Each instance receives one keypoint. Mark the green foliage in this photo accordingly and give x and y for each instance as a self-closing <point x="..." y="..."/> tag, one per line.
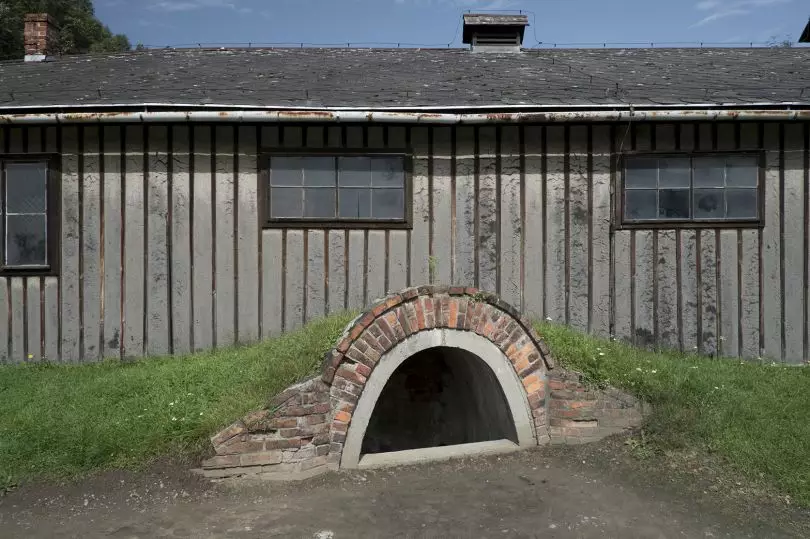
<point x="79" y="29"/>
<point x="61" y="421"/>
<point x="752" y="414"/>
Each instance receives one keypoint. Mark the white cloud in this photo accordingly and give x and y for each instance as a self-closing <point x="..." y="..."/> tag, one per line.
<point x="190" y="5"/>
<point x="722" y="9"/>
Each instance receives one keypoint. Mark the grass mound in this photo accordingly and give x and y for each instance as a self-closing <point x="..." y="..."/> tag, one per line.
<point x="61" y="421"/>
<point x="753" y="415"/>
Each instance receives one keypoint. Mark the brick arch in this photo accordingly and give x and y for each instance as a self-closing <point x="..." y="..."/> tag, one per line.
<point x="369" y="337"/>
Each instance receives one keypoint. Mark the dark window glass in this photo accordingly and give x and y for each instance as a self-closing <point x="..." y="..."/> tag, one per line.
<point x="25" y="214"/>
<point x="697" y="188"/>
<point x="337" y="188"/>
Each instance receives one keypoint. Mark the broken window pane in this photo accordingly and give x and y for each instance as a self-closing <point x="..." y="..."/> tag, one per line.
<point x="641" y="204"/>
<point x="641" y="173"/>
<point x="708" y="204"/>
<point x="673" y="204"/>
<point x="355" y="203"/>
<point x="286" y="202"/>
<point x="741" y="204"/>
<point x="26" y="237"/>
<point x="26" y="188"/>
<point x="319" y="203"/>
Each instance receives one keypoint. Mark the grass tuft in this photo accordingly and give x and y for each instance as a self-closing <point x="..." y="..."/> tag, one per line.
<point x="753" y="415"/>
<point x="61" y="421"/>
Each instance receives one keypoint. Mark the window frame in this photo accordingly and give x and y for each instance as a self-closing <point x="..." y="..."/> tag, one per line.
<point x="621" y="223"/>
<point x="52" y="214"/>
<point x="267" y="221"/>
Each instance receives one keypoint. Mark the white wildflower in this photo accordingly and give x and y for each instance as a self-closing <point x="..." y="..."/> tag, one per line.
<point x="654" y="371"/>
<point x="548" y="319"/>
<point x="174" y="419"/>
<point x="638" y="369"/>
<point x="601" y="353"/>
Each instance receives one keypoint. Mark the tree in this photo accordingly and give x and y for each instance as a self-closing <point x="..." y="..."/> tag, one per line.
<point x="79" y="29"/>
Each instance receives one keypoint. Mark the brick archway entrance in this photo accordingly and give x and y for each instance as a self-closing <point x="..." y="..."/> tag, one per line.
<point x="320" y="423"/>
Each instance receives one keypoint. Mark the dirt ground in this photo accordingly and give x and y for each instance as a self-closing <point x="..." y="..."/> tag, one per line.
<point x="599" y="490"/>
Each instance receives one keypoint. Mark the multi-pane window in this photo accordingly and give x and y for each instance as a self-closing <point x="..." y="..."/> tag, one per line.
<point x="691" y="189"/>
<point x="330" y="188"/>
<point x="24" y="206"/>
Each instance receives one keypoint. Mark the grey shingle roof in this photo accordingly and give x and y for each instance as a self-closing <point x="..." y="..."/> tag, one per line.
<point x="382" y="78"/>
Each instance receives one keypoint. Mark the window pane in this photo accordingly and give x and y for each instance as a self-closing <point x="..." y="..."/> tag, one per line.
<point x="742" y="171"/>
<point x="286" y="171"/>
<point x="674" y="172"/>
<point x="319" y="171"/>
<point x="640" y="204"/>
<point x="25" y="240"/>
<point x="708" y="204"/>
<point x="286" y="202"/>
<point x="355" y="203"/>
<point x="25" y="187"/>
<point x="641" y="173"/>
<point x="319" y="203"/>
<point x="388" y="203"/>
<point x="709" y="171"/>
<point x="387" y="172"/>
<point x="741" y="203"/>
<point x="354" y="171"/>
<point x="673" y="204"/>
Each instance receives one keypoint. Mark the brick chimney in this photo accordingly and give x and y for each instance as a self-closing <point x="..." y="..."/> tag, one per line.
<point x="41" y="35"/>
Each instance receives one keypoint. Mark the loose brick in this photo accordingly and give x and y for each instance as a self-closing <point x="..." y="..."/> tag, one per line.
<point x="261" y="459"/>
<point x="351" y="375"/>
<point x="282" y="443"/>
<point x="237" y="448"/>
<point x="229" y="461"/>
<point x="228" y="433"/>
<point x="344" y="345"/>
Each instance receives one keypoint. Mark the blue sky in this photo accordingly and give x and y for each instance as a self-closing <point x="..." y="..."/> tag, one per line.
<point x="178" y="22"/>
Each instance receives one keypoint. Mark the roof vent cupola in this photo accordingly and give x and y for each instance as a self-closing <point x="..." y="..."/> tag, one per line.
<point x="494" y="33"/>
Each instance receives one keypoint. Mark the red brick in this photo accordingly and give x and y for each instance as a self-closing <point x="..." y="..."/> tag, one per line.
<point x="420" y="314"/>
<point x="340" y="427"/>
<point x="402" y="319"/>
<point x="343" y="395"/>
<point x="350" y="374"/>
<point x="471" y="291"/>
<point x="363" y="370"/>
<point x="555" y="384"/>
<point x="528" y="369"/>
<point x="393" y="301"/>
<point x="282" y="423"/>
<point x="228" y="433"/>
<point x="321" y="408"/>
<point x="315" y="419"/>
<point x="537" y="399"/>
<point x="344" y="345"/>
<point x="347" y="385"/>
<point x="355" y="332"/>
<point x="343" y="417"/>
<point x="379" y="309"/>
<point x="289" y="433"/>
<point x="409" y="293"/>
<point x="237" y="447"/>
<point x="452" y="317"/>
<point x="386" y="330"/>
<point x="290" y="443"/>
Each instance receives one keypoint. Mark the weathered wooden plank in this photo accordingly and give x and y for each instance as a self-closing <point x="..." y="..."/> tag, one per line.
<point x="375" y="273"/>
<point x="420" y="233"/>
<point x="376" y="138"/>
<point x="708" y="292"/>
<point x="488" y="217"/>
<point x="535" y="223"/>
<point x="667" y="260"/>
<point x="294" y="280"/>
<point x="248" y="235"/>
<point x="644" y="289"/>
<point x="50" y="315"/>
<point x="511" y="232"/>
<point x="33" y="301"/>
<point x="749" y="302"/>
<point x="202" y="218"/>
<point x="316" y="267"/>
<point x="293" y="136"/>
<point x="69" y="267"/>
<point x="134" y="277"/>
<point x="356" y="274"/>
<point x="181" y="223"/>
<point x="442" y="209"/>
<point x="689" y="292"/>
<point x="157" y="250"/>
<point x="600" y="238"/>
<point x="337" y="271"/>
<point x="224" y="311"/>
<point x="578" y="192"/>
<point x="316" y="136"/>
<point x="555" y="224"/>
<point x="5" y="323"/>
<point x="396" y="137"/>
<point x="729" y="295"/>
<point x="771" y="260"/>
<point x="91" y="246"/>
<point x="334" y="136"/>
<point x="18" y="336"/>
<point x="113" y="226"/>
<point x="272" y="283"/>
<point x="793" y="253"/>
<point x="15" y="140"/>
<point x="465" y="207"/>
<point x="398" y="260"/>
<point x="622" y="301"/>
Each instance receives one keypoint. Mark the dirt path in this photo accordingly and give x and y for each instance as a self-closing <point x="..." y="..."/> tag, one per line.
<point x="591" y="491"/>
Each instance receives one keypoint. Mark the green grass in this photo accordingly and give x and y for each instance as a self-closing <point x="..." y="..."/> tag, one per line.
<point x="63" y="421"/>
<point x="755" y="416"/>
